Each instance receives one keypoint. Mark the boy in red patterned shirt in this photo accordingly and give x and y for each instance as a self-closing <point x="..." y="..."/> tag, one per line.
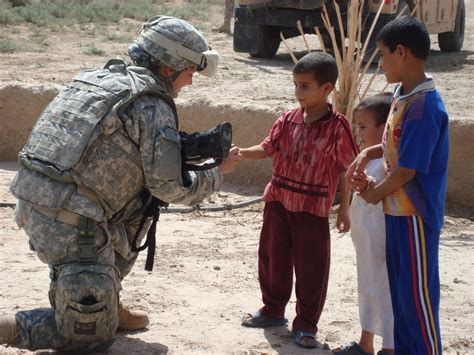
<point x="311" y="147"/>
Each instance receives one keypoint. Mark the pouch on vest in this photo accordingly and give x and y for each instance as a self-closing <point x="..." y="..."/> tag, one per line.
<point x="66" y="127"/>
<point x="86" y="301"/>
<point x="77" y="110"/>
<point x="40" y="190"/>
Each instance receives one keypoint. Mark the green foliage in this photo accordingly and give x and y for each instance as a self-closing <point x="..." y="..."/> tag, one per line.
<point x="18" y="2"/>
<point x="93" y="50"/>
<point x="7" y="16"/>
<point x="57" y="27"/>
<point x="119" y="38"/>
<point x="66" y="12"/>
<point x="6" y="46"/>
<point x="35" y="14"/>
<point x="140" y="10"/>
<point x="188" y="11"/>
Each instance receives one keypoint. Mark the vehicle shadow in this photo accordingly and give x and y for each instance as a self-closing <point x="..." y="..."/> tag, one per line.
<point x="284" y="61"/>
<point x="441" y="62"/>
<point x="438" y="62"/>
<point x="281" y="61"/>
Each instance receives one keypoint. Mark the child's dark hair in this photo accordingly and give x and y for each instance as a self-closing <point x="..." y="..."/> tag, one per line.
<point x="378" y="104"/>
<point x="322" y="65"/>
<point x="408" y="31"/>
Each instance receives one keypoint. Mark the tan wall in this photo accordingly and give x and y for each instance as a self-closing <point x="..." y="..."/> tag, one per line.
<point x="461" y="163"/>
<point x="20" y="106"/>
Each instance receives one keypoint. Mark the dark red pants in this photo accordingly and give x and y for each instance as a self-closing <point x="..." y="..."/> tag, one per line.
<point x="300" y="240"/>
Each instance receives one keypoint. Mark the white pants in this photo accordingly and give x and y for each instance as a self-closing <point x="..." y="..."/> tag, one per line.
<point x="368" y="236"/>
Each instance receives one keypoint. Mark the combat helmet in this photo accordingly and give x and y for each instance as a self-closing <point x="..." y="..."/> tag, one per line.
<point x="175" y="43"/>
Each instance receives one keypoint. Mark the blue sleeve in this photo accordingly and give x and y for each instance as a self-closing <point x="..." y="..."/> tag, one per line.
<point x="420" y="133"/>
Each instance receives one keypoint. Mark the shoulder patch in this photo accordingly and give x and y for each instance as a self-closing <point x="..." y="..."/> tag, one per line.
<point x="171" y="134"/>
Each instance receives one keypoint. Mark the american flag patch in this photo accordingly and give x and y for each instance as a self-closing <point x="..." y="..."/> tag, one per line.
<point x="170" y="134"/>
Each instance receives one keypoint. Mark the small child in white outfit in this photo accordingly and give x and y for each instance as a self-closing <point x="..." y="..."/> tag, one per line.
<point x="368" y="236"/>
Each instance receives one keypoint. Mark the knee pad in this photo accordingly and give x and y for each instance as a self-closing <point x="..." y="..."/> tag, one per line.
<point x="85" y="300"/>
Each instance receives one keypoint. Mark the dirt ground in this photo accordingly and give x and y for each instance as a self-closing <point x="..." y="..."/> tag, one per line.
<point x="205" y="273"/>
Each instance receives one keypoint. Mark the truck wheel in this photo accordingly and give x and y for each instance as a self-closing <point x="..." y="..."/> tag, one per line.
<point x="268" y="41"/>
<point x="452" y="41"/>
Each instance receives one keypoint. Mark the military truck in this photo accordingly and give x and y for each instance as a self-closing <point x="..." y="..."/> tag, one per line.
<point x="258" y="23"/>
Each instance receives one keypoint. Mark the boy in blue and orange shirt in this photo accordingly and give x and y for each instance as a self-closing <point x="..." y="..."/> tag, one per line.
<point x="415" y="156"/>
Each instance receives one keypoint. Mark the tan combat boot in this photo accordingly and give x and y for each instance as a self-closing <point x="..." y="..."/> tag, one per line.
<point x="8" y="330"/>
<point x="131" y="320"/>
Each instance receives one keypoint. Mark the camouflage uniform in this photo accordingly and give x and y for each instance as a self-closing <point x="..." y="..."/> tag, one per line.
<point x="103" y="171"/>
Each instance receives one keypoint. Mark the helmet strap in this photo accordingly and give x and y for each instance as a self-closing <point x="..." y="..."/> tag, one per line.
<point x="168" y="84"/>
<point x="167" y="80"/>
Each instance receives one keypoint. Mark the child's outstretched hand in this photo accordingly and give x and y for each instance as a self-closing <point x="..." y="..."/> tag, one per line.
<point x="343" y="223"/>
<point x="231" y="161"/>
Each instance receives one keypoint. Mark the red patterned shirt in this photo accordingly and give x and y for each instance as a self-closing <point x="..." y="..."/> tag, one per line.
<point x="307" y="160"/>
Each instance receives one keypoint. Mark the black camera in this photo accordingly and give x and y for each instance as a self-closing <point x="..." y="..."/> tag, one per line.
<point x="199" y="146"/>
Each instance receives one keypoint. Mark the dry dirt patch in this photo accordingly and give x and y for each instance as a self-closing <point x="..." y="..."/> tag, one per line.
<point x="205" y="278"/>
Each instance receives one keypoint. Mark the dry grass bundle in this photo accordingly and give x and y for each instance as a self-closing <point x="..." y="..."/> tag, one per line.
<point x="349" y="56"/>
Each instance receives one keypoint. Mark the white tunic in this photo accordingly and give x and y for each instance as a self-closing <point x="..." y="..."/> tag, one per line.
<point x="368" y="236"/>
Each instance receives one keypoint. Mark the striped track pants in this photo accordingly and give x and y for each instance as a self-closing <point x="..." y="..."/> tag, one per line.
<point x="412" y="263"/>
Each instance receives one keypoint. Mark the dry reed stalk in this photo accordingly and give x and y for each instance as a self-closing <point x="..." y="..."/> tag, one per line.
<point x="412" y="13"/>
<point x="369" y="35"/>
<point x="385" y="87"/>
<point x="369" y="84"/>
<point x="341" y="27"/>
<point x="366" y="68"/>
<point x="320" y="37"/>
<point x="360" y="25"/>
<point x="354" y="61"/>
<point x="332" y="35"/>
<point x="342" y="61"/>
<point x="415" y="9"/>
<point x="288" y="48"/>
<point x="300" y="29"/>
<point x="350" y="60"/>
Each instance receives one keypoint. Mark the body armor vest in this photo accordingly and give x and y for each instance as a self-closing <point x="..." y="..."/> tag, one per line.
<point x="82" y="134"/>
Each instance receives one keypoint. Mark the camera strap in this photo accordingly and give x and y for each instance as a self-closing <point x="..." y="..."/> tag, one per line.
<point x="203" y="166"/>
<point x="213" y="144"/>
<point x="152" y="210"/>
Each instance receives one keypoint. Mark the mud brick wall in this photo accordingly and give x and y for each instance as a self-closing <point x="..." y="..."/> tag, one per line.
<point x="20" y="106"/>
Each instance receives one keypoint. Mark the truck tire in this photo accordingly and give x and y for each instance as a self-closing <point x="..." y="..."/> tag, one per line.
<point x="453" y="41"/>
<point x="268" y="41"/>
